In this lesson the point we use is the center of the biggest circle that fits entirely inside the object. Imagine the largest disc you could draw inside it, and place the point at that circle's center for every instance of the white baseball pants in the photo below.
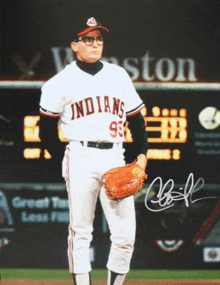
(83, 168)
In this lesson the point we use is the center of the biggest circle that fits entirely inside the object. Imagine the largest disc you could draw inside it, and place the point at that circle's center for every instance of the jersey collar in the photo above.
(91, 68)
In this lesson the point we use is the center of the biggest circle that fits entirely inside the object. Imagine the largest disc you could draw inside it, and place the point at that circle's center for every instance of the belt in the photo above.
(100, 145)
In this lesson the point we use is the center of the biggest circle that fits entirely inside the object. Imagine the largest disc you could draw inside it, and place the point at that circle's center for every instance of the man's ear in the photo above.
(74, 46)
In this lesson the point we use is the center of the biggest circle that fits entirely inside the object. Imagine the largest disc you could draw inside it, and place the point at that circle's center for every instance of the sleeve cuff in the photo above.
(49, 113)
(136, 110)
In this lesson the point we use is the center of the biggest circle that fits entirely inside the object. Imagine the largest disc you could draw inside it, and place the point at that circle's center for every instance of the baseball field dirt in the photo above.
(103, 282)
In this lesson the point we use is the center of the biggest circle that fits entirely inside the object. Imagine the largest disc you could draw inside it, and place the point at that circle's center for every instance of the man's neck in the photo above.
(91, 68)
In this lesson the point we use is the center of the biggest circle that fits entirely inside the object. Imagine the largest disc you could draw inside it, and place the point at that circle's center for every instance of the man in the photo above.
(93, 100)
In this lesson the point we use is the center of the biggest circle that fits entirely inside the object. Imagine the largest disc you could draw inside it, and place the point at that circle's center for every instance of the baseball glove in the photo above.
(121, 182)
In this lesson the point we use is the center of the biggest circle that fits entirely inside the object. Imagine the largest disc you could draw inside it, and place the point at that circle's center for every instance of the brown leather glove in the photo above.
(121, 182)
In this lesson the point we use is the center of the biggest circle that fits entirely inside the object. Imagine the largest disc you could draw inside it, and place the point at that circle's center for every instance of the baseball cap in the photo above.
(87, 26)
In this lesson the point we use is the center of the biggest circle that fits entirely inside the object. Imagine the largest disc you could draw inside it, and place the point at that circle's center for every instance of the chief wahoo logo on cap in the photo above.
(91, 22)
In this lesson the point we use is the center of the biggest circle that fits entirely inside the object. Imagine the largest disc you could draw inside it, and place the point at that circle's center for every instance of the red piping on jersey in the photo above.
(136, 112)
(71, 232)
(50, 115)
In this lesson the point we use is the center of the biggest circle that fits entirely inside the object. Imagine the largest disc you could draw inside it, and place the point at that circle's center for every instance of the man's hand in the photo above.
(142, 160)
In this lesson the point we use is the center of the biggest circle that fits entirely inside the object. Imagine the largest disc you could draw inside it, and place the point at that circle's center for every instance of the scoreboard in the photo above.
(183, 131)
(168, 126)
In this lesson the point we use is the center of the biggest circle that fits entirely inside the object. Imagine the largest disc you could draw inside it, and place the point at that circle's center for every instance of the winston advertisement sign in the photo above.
(153, 41)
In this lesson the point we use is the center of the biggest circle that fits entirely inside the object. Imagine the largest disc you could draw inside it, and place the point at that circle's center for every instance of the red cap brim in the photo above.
(91, 29)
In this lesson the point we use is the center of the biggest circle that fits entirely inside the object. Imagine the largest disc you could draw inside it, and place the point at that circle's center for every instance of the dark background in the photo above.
(168, 28)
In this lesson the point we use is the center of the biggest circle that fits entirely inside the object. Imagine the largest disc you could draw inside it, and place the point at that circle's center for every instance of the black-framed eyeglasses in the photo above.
(89, 41)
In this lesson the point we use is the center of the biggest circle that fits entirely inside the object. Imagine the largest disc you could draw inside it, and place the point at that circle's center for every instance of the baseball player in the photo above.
(92, 100)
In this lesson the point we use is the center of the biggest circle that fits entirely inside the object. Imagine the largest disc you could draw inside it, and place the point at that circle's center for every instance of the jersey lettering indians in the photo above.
(91, 107)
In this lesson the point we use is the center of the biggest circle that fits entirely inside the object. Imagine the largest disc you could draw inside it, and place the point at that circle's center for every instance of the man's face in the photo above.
(89, 54)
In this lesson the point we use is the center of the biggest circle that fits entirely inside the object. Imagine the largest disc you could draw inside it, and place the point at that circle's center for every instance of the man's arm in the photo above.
(140, 137)
(49, 137)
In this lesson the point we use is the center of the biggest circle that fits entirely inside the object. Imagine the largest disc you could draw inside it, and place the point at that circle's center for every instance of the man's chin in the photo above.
(94, 58)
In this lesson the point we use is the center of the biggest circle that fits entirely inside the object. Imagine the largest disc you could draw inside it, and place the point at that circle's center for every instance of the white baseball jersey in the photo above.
(91, 107)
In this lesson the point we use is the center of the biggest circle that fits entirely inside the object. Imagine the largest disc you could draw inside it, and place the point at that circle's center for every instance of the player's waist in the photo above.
(101, 144)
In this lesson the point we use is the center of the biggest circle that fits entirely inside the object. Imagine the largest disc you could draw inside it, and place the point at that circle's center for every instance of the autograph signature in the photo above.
(165, 200)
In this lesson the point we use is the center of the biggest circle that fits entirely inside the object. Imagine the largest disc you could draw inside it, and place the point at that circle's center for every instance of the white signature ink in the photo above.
(165, 200)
